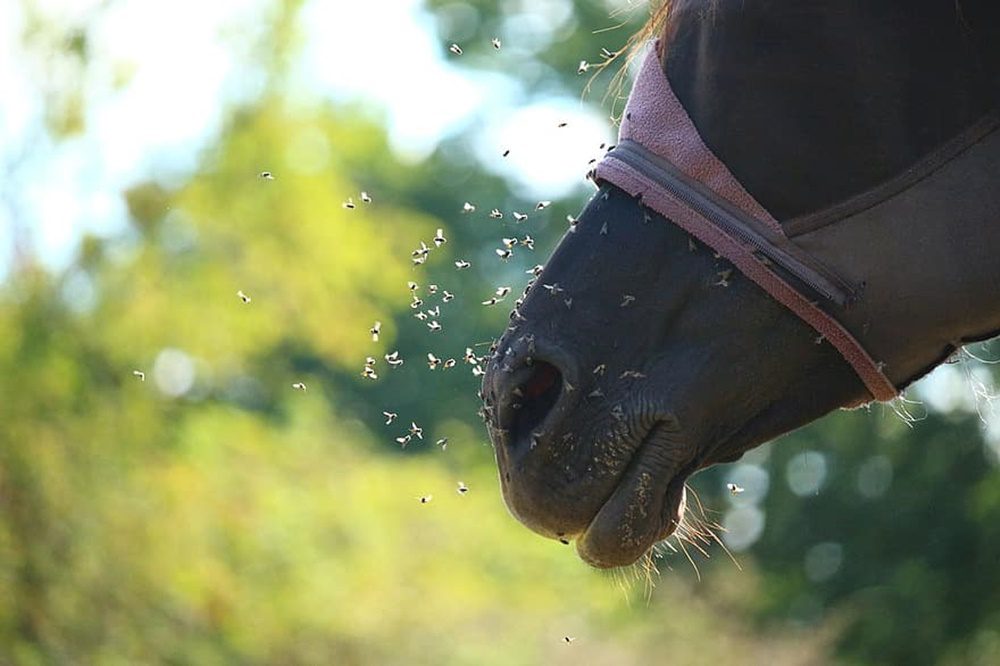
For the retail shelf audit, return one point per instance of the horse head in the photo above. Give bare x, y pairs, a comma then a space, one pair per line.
641, 354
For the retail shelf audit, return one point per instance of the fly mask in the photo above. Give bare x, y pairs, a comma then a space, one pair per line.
662, 161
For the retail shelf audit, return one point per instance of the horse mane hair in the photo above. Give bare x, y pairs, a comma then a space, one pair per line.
660, 14
657, 27
660, 24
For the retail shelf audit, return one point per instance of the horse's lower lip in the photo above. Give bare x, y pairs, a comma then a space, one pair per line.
645, 507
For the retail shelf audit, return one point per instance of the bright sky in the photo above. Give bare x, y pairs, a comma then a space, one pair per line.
181, 70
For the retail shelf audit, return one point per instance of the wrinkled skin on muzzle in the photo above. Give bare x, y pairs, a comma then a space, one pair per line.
637, 358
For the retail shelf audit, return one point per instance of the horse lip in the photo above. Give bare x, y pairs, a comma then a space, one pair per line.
670, 499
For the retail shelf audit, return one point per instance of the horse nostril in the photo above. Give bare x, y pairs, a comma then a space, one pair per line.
542, 379
534, 399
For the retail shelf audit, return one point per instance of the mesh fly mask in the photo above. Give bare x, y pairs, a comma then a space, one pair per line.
661, 159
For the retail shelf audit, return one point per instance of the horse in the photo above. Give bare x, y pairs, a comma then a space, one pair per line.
802, 214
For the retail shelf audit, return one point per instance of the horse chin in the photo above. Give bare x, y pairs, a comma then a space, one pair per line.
646, 507
614, 539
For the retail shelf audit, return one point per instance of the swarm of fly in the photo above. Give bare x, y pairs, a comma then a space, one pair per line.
432, 316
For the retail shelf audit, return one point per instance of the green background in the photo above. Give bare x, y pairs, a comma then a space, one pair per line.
243, 521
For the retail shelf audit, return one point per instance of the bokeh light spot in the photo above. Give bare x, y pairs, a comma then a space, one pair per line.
173, 372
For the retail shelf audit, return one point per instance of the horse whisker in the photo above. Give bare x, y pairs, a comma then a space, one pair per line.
697, 572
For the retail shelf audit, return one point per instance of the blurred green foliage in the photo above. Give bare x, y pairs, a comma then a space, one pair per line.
211, 513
